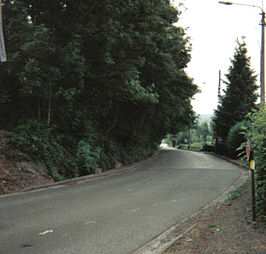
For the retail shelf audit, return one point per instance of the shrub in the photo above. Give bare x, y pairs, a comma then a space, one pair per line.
256, 133
221, 148
87, 158
36, 141
208, 148
235, 138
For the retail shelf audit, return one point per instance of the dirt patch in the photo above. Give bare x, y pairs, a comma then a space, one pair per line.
16, 173
224, 229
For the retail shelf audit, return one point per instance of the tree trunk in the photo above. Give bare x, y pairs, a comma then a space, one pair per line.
39, 109
49, 106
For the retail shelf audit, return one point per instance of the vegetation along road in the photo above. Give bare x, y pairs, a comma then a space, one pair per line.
115, 214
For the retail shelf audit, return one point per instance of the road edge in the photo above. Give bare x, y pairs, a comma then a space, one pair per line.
165, 239
82, 179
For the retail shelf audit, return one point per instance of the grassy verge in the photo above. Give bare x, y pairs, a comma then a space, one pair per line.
237, 193
225, 229
197, 146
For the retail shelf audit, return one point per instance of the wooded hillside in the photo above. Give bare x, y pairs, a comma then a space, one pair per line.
88, 84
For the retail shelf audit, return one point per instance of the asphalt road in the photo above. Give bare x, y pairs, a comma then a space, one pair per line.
115, 214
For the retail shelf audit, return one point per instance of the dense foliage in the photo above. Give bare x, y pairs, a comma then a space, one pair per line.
256, 134
198, 133
239, 98
235, 138
89, 83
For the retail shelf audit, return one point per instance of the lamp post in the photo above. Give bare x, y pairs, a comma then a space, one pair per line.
262, 52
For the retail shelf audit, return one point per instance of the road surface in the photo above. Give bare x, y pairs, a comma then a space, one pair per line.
115, 214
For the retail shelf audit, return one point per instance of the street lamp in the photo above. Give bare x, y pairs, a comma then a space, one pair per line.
226, 3
262, 54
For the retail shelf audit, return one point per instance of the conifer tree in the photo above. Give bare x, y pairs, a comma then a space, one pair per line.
240, 95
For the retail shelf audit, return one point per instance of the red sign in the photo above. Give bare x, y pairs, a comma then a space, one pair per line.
248, 149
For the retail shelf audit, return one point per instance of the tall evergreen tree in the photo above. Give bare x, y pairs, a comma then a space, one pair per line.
240, 95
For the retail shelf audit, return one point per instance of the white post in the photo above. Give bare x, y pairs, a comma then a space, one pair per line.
2, 43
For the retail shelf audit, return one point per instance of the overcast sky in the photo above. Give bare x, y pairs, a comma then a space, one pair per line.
214, 29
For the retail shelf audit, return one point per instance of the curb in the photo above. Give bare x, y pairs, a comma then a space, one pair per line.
242, 165
82, 179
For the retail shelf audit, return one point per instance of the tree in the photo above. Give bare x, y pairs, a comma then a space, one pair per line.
105, 76
203, 131
235, 138
240, 95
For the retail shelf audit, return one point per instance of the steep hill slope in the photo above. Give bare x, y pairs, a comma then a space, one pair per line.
16, 172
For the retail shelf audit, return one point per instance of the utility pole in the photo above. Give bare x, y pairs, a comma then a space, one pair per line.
262, 53
262, 60
219, 87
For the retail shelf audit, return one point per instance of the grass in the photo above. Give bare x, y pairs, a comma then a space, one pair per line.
237, 193
197, 146
193, 147
212, 225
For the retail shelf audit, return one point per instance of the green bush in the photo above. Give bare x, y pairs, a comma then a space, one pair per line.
208, 148
64, 156
221, 148
87, 158
67, 157
256, 134
235, 138
37, 142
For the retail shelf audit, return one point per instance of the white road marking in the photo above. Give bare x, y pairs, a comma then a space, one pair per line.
90, 222
46, 232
